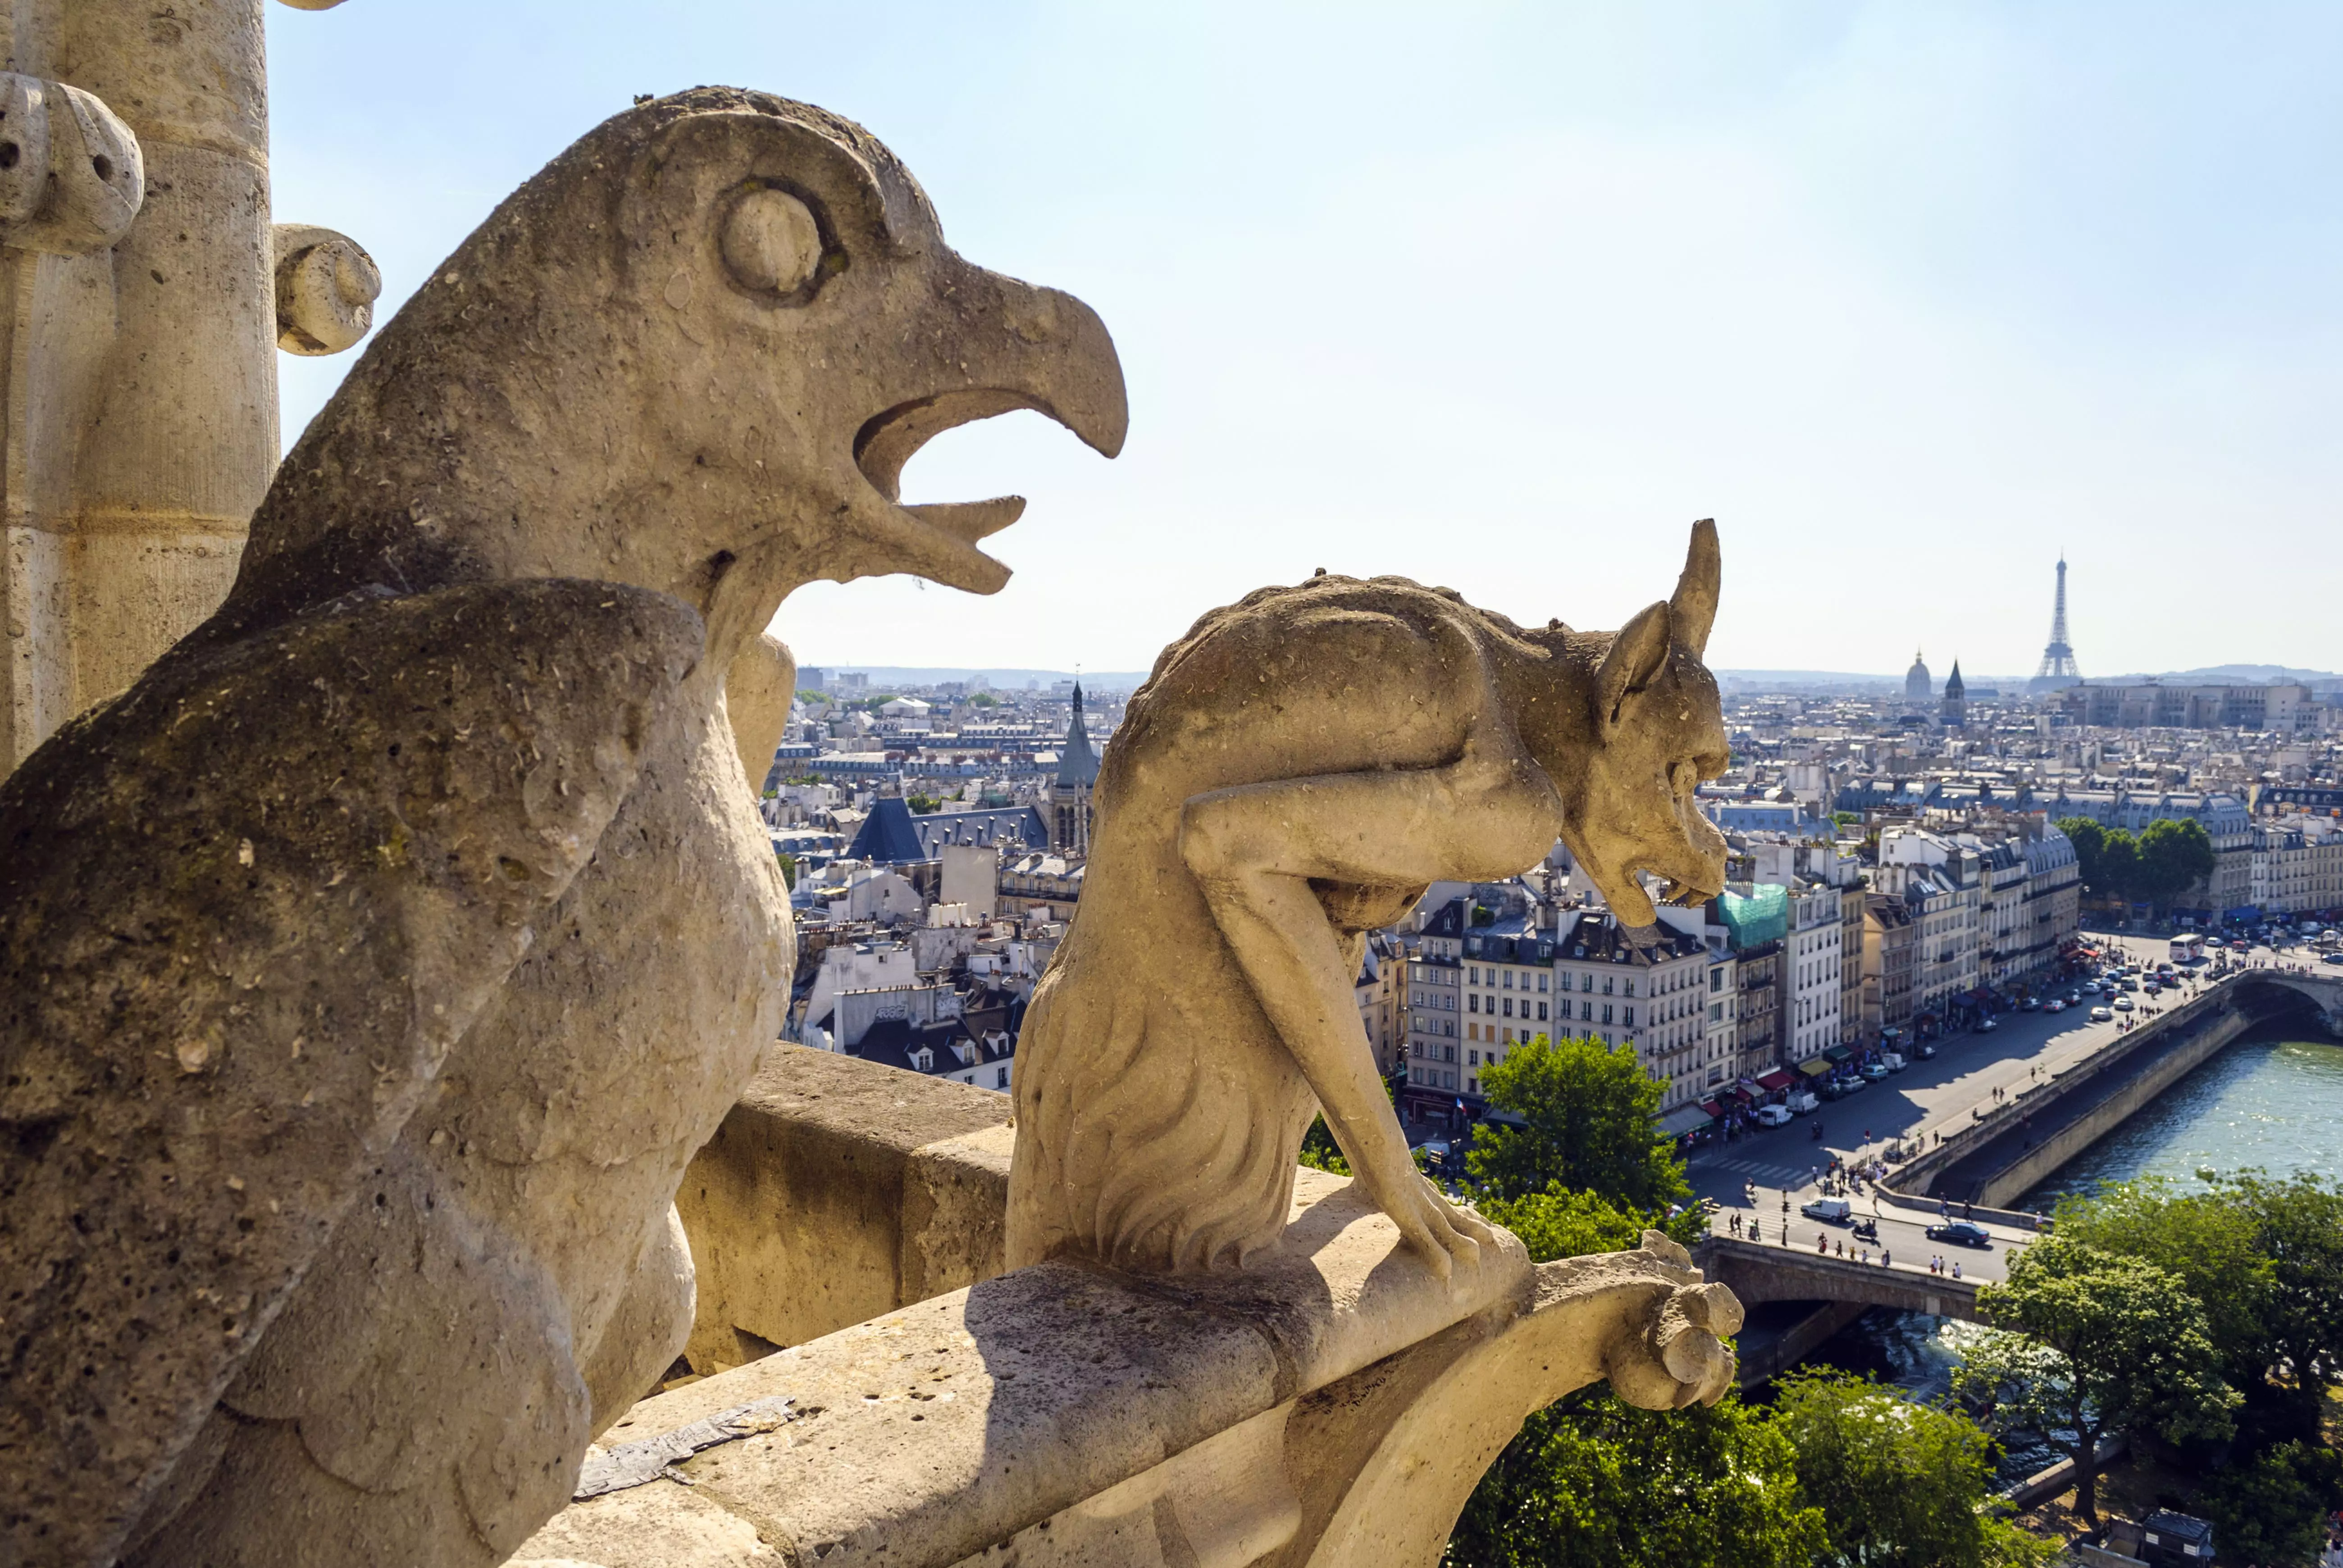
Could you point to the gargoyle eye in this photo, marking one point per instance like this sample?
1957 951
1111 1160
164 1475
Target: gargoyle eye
771 243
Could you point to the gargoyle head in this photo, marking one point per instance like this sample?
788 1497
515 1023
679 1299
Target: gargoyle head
693 353
1658 730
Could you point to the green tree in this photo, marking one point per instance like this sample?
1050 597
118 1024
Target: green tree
2093 1343
1587 1112
2198 1242
2297 1223
2273 1509
1560 1223
2171 858
788 872
921 805
1899 1485
984 700
1594 1482
2119 864
2090 841
2265 1257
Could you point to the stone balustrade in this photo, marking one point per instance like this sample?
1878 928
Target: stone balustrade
1334 1402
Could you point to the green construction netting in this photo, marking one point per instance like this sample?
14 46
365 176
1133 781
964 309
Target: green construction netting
1762 917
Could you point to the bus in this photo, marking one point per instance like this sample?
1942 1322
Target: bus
2188 948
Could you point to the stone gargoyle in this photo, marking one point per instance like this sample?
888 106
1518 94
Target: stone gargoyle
370 971
1295 773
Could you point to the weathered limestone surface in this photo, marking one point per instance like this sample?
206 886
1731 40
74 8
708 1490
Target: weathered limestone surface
141 378
1293 775
358 1209
1335 1403
140 292
835 1192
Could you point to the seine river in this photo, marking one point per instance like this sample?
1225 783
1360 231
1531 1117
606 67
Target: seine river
2274 1104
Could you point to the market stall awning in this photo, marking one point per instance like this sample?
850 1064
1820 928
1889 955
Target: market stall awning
1774 1082
1684 1119
1840 1055
1814 1068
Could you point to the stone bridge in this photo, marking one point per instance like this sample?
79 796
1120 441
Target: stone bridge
1758 1272
2254 989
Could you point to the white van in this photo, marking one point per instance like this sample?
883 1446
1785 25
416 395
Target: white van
1802 1100
1834 1209
1891 1061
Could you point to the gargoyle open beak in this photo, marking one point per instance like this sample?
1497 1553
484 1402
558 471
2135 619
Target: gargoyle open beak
1002 346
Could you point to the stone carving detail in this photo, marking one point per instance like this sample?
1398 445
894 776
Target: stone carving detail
1295 773
71 176
326 289
370 969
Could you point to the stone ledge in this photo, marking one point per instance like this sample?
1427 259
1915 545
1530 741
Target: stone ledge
836 1190
937 1430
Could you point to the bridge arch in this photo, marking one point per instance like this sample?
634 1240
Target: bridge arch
1760 1272
2270 994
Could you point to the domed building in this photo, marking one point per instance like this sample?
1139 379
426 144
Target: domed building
1918 686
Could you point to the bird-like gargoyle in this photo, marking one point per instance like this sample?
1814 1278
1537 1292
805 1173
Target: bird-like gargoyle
370 971
1295 773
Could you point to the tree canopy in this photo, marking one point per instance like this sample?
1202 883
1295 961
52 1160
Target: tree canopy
1586 1109
2263 1256
2168 858
1594 1482
2093 1343
1898 1483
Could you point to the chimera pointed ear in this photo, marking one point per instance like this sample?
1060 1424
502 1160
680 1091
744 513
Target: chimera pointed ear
1638 652
1693 610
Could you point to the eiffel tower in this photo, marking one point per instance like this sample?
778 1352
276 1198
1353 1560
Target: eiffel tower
2058 667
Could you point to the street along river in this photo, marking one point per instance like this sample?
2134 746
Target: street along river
2273 1104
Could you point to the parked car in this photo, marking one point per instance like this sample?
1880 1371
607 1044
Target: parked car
1961 1233
1927 1052
2053 1005
1834 1211
2331 957
2101 1015
1770 1116
2029 1005
1849 1085
1985 1026
2122 1004
1873 1071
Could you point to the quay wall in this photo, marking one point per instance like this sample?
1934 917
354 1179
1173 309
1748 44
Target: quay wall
2057 1148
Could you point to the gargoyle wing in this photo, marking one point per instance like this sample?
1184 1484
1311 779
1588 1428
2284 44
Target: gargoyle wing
245 912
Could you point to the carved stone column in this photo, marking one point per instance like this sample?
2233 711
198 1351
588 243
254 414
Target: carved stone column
137 370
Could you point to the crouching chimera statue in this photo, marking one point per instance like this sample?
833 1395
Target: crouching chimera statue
1295 773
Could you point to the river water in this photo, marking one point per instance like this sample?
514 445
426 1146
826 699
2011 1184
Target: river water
2275 1104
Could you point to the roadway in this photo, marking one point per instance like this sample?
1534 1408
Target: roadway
1925 1099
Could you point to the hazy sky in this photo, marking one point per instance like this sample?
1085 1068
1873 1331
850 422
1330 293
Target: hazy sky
1503 296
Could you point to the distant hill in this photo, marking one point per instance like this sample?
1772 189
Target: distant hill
2227 675
1839 683
997 679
